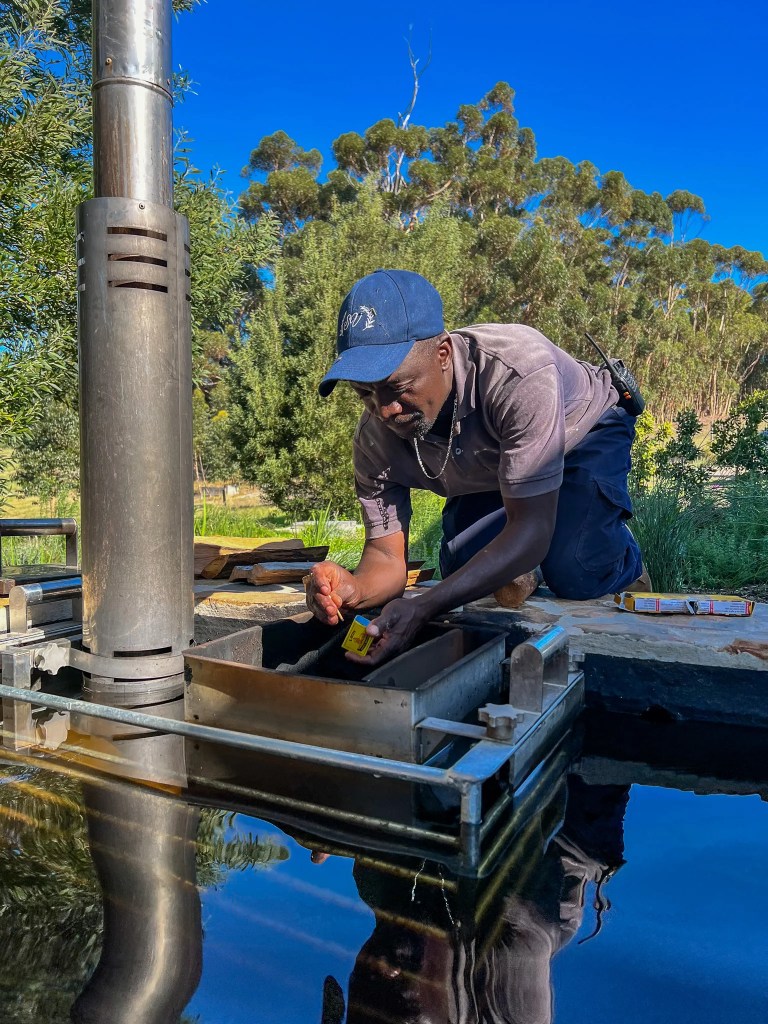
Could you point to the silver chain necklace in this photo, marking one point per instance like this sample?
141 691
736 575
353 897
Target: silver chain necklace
450 442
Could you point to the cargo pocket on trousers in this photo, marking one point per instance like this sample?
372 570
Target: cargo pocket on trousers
603 537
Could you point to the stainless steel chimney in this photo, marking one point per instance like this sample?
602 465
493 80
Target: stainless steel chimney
135 370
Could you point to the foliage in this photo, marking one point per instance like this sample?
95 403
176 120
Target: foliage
225 521
214 454
713 539
650 438
729 550
344 545
679 462
221 848
663 526
51 912
740 441
44 174
426 529
505 237
295 444
47 456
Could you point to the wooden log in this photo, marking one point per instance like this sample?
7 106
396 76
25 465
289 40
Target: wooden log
221 568
210 549
418 576
278 572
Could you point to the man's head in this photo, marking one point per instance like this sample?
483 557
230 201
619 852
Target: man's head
393 350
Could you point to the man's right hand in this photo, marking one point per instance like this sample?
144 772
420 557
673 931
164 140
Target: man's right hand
330 587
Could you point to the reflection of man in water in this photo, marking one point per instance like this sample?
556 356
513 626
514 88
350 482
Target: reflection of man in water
418 967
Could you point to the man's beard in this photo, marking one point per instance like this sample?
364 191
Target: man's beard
416 424
424 426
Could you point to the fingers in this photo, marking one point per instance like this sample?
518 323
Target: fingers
388 643
322 600
379 652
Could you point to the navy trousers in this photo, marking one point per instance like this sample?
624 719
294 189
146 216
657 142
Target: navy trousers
592 552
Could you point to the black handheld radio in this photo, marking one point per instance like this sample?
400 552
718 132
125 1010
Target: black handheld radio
624 381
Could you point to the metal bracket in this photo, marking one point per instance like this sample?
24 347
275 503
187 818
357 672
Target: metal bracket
24 595
536 664
18 727
52 657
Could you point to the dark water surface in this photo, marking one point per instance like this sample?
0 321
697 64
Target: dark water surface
615 904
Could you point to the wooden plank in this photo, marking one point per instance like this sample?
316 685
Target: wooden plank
221 567
418 576
209 548
243 572
278 572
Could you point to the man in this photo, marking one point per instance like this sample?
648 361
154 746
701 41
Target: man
527 444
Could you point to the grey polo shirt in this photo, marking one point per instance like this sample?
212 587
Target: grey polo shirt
522 404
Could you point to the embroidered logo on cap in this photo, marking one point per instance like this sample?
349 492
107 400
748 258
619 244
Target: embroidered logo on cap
353 319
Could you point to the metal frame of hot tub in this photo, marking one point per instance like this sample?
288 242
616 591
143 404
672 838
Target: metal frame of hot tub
535 733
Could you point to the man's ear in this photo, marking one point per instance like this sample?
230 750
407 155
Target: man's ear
445 352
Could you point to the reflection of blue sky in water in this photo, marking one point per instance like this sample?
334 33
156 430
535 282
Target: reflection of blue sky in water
686 940
273 935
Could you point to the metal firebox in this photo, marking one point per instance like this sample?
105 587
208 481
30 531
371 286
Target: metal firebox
432 747
449 675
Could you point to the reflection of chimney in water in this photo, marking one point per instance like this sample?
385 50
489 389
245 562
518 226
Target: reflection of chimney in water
143 846
135 369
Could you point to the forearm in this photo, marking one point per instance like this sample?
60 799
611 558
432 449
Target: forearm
380 575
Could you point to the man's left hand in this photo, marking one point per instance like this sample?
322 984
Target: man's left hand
394 629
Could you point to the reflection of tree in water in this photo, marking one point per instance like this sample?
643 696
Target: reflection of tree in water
219 851
50 900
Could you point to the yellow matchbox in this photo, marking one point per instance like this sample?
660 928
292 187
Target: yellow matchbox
357 640
684 604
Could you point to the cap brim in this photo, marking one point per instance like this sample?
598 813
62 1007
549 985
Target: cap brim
365 364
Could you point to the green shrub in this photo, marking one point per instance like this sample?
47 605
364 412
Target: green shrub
729 549
680 463
739 442
650 437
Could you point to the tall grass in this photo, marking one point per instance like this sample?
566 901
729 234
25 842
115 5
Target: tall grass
426 527
715 538
33 551
664 529
38 550
345 546
258 521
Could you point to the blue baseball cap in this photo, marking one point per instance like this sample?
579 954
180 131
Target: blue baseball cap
380 320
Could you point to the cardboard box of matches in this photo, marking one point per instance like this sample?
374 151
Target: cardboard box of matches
684 604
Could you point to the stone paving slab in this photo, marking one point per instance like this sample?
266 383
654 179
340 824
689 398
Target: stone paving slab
599 627
595 627
222 607
688 668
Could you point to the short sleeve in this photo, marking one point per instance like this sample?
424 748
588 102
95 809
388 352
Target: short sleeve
528 414
385 503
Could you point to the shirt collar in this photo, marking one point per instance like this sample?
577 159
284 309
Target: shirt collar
464 375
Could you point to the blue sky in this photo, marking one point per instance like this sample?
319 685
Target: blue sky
673 94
